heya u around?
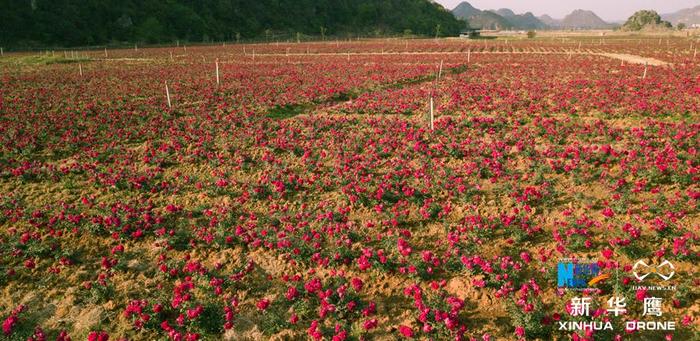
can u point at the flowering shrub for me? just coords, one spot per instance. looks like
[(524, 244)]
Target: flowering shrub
[(298, 198)]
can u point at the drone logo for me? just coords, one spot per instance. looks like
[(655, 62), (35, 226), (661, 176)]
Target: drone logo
[(642, 270)]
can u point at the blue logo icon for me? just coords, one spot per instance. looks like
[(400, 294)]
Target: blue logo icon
[(576, 275)]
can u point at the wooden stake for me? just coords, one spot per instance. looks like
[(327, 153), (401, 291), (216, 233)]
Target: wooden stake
[(105, 52), (696, 53), (217, 72), (167, 94), (80, 68), (2, 52), (440, 71), (645, 71), (469, 55)]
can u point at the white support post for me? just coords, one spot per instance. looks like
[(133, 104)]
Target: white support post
[(469, 55), (217, 72), (167, 94), (645, 70)]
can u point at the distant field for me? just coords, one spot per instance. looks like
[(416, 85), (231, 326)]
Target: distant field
[(305, 196), (692, 33)]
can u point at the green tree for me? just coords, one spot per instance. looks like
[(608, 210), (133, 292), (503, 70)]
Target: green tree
[(149, 31)]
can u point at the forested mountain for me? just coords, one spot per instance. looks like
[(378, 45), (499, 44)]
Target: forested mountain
[(505, 18), (480, 19), (526, 21), (496, 20), (91, 22), (583, 19), (645, 20)]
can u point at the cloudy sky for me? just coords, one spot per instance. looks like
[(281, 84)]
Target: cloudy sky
[(607, 9)]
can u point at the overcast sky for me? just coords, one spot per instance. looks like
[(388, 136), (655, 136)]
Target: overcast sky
[(610, 10)]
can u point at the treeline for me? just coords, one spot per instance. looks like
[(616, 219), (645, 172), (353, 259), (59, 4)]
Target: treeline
[(94, 22)]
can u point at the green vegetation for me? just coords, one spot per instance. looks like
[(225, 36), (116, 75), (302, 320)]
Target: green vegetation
[(286, 111), (645, 19), (91, 22)]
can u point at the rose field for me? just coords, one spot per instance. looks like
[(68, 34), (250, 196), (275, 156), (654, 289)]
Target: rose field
[(305, 196)]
